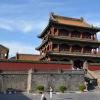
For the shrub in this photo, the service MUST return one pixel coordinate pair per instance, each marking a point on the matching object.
(82, 87)
(62, 88)
(40, 88)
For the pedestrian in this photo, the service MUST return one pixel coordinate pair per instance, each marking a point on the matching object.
(43, 97)
(86, 86)
(51, 90)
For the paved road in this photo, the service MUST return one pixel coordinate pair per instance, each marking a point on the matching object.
(67, 96)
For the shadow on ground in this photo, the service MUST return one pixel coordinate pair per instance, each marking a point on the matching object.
(14, 97)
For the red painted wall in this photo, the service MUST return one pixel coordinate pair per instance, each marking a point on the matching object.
(39, 66)
(94, 68)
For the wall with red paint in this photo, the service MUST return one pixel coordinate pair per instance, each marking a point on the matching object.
(94, 67)
(37, 66)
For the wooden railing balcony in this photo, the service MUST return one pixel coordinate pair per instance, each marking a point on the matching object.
(68, 53)
(74, 38)
(65, 53)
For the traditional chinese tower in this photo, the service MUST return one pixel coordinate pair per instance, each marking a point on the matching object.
(69, 39)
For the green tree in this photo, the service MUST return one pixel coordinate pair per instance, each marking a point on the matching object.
(40, 88)
(62, 88)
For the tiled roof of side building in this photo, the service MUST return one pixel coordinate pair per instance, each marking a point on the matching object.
(32, 57)
(1, 46)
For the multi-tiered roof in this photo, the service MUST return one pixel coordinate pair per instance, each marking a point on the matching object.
(67, 21)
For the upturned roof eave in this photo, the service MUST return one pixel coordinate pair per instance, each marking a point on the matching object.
(97, 29)
(92, 27)
(43, 32)
(53, 18)
(39, 47)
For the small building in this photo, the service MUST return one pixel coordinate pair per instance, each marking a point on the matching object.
(4, 51)
(30, 57)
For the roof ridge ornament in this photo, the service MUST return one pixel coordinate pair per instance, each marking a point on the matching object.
(51, 16)
(81, 18)
(84, 21)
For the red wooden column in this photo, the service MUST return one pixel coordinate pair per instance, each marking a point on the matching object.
(94, 36)
(72, 64)
(58, 47)
(70, 50)
(81, 36)
(52, 31)
(94, 50)
(82, 50)
(51, 46)
(57, 33)
(69, 33)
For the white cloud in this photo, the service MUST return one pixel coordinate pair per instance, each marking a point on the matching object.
(27, 28)
(22, 25)
(6, 27)
(17, 47)
(96, 24)
(46, 3)
(30, 26)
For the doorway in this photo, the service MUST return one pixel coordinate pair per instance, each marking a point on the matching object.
(78, 64)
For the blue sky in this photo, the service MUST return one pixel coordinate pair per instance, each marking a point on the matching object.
(22, 20)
